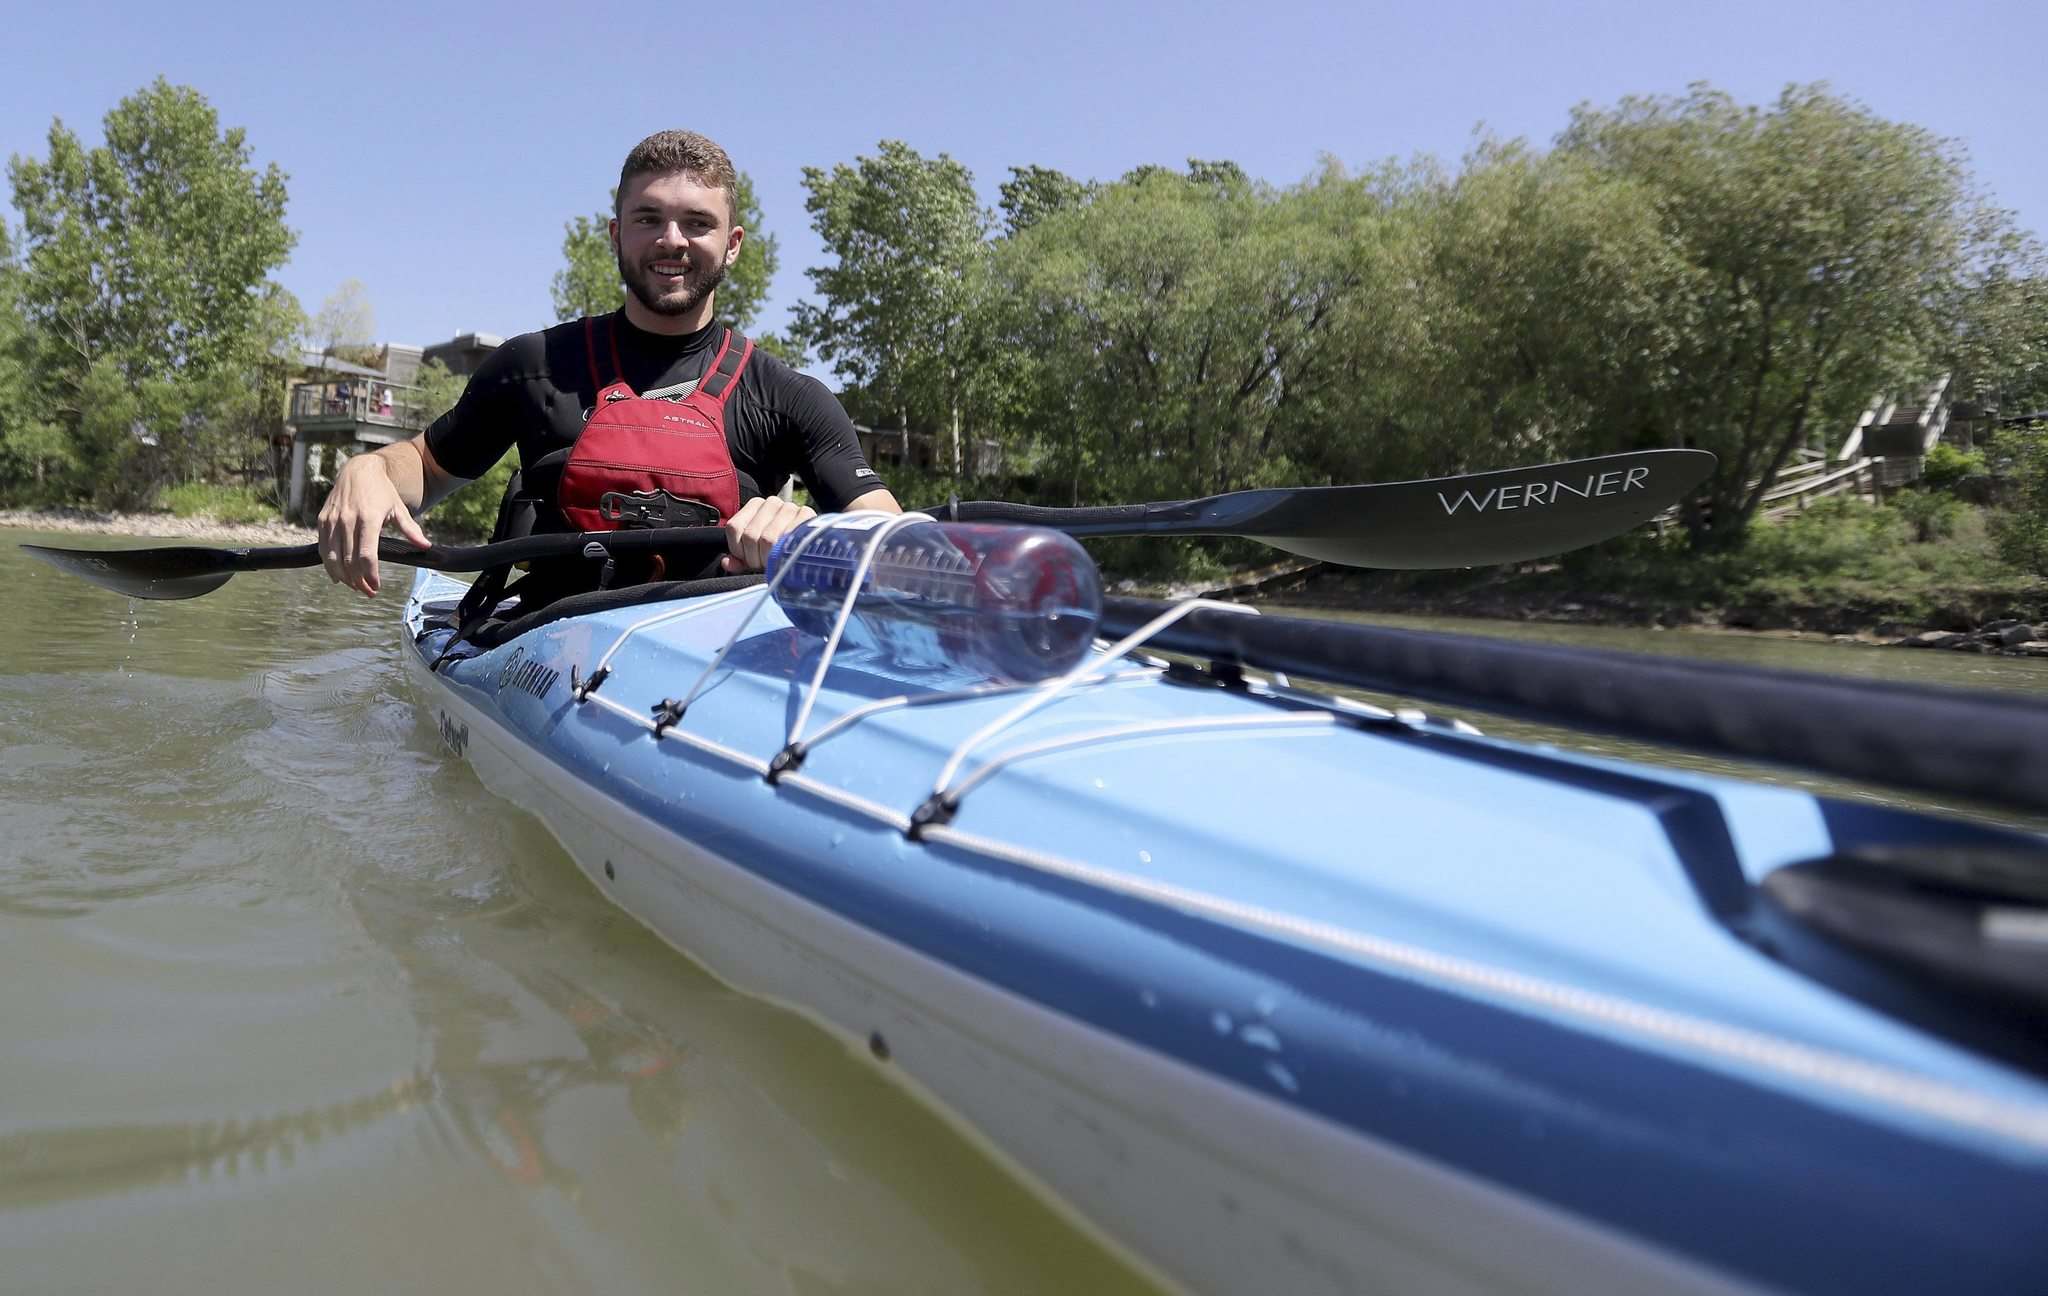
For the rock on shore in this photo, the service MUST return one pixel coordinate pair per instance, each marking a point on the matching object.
(2007, 635)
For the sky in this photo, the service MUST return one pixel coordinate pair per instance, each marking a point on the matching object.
(434, 152)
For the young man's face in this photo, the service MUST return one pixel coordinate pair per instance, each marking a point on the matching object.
(674, 243)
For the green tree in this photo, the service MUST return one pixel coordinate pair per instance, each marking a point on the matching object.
(1034, 192)
(1547, 286)
(1187, 323)
(249, 414)
(2020, 528)
(907, 236)
(1826, 245)
(588, 282)
(31, 446)
(1999, 349)
(143, 281)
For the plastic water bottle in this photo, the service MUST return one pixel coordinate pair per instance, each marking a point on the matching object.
(1012, 603)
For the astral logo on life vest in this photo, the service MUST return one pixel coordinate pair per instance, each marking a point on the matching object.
(1537, 494)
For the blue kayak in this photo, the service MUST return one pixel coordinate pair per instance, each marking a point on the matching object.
(1279, 992)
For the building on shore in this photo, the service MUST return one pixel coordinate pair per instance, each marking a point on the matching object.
(349, 406)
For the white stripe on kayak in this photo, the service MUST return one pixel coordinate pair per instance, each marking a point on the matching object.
(952, 792)
(2026, 1123)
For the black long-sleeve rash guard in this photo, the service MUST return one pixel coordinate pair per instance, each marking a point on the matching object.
(535, 392)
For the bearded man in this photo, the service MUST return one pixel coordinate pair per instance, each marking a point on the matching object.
(675, 231)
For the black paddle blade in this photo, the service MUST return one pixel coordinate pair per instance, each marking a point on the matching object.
(171, 573)
(1480, 519)
(1474, 520)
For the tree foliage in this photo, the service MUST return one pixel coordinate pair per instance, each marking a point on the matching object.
(29, 441)
(1033, 193)
(143, 295)
(1675, 271)
(2021, 530)
(588, 282)
(1542, 288)
(1189, 327)
(906, 233)
(1824, 250)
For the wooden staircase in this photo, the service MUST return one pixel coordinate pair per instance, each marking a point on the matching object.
(1882, 452)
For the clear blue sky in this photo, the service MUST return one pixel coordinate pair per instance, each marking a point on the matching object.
(436, 155)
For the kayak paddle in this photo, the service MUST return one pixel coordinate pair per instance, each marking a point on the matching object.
(1475, 520)
(1467, 521)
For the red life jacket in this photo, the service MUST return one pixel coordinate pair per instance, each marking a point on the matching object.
(642, 462)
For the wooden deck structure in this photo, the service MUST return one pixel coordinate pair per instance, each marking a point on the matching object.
(353, 406)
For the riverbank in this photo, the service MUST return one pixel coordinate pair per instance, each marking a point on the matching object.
(157, 525)
(1548, 592)
(2011, 617)
(1847, 572)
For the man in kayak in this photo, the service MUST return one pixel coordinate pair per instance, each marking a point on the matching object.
(659, 378)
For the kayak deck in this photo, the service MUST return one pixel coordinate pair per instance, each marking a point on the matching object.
(1390, 937)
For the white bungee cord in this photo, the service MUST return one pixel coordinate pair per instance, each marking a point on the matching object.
(1081, 673)
(827, 522)
(853, 587)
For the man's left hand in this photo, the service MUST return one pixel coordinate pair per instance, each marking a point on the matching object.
(753, 531)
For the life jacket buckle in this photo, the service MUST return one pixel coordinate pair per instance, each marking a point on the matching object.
(658, 508)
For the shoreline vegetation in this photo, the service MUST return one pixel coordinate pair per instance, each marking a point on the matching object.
(1846, 571)
(1786, 284)
(1971, 620)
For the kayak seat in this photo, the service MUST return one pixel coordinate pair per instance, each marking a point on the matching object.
(495, 631)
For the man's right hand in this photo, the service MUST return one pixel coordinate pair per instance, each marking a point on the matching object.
(362, 502)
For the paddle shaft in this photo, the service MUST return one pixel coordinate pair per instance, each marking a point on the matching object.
(1983, 746)
(1472, 520)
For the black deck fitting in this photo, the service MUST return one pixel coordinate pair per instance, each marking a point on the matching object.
(583, 688)
(666, 715)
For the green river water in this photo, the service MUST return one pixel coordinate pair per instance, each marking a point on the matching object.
(292, 1004)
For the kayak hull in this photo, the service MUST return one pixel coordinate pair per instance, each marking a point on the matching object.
(1234, 1093)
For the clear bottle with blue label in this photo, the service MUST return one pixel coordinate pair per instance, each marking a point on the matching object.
(1009, 603)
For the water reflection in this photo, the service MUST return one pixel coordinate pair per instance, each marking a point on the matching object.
(298, 976)
(626, 1096)
(49, 1166)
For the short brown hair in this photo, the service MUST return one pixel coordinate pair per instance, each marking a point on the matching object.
(681, 152)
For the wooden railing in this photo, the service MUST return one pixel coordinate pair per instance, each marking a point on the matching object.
(1849, 470)
(355, 400)
(1814, 479)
